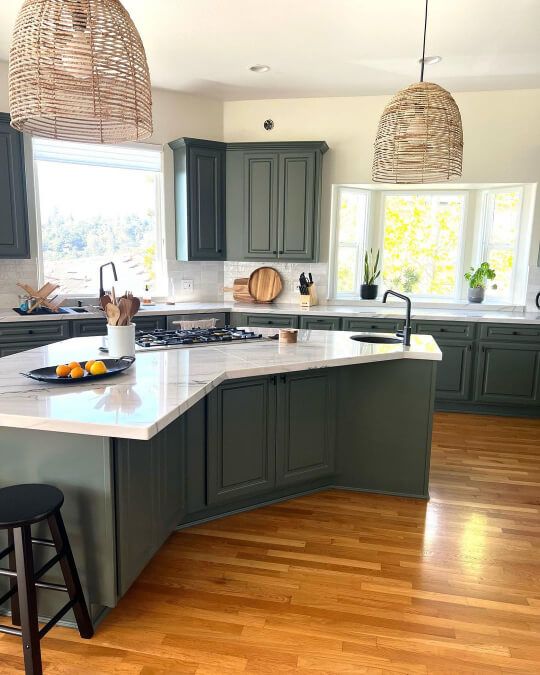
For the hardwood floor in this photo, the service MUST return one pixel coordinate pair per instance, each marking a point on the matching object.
(341, 582)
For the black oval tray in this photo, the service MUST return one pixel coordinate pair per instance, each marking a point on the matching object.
(48, 374)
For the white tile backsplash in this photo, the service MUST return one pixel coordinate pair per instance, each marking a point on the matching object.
(11, 272)
(207, 280)
(289, 273)
(533, 288)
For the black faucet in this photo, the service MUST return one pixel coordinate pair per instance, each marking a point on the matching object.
(407, 327)
(101, 289)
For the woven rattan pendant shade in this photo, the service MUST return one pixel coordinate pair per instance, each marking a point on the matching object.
(78, 72)
(420, 137)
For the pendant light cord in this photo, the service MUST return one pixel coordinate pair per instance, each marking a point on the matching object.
(424, 45)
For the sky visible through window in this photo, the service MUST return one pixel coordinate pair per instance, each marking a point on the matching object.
(92, 214)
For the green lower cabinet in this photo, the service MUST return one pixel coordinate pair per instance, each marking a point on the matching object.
(149, 322)
(265, 320)
(306, 426)
(320, 322)
(373, 325)
(241, 439)
(454, 371)
(508, 373)
(88, 327)
(150, 497)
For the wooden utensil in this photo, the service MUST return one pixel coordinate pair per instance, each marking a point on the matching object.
(124, 305)
(135, 305)
(104, 301)
(113, 314)
(265, 284)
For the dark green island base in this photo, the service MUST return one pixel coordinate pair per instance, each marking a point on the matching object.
(250, 442)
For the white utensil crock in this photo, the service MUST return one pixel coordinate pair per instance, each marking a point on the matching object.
(121, 340)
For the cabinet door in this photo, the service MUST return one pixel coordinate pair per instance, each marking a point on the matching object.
(508, 373)
(306, 426)
(206, 169)
(320, 322)
(454, 371)
(261, 205)
(143, 322)
(296, 206)
(241, 439)
(270, 320)
(14, 240)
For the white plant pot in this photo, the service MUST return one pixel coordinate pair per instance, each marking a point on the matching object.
(476, 294)
(121, 340)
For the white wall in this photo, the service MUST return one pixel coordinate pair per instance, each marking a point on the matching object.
(174, 115)
(501, 140)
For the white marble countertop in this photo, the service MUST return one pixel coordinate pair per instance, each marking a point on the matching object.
(481, 313)
(162, 385)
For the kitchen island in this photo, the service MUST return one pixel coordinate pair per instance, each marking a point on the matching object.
(196, 433)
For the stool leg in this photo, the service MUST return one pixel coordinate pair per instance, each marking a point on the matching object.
(15, 612)
(71, 576)
(27, 600)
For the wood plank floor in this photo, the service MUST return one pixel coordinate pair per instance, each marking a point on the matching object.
(340, 582)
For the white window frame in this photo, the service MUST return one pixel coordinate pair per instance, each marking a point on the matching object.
(462, 236)
(472, 235)
(335, 243)
(488, 194)
(161, 260)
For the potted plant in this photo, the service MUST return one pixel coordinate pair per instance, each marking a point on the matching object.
(368, 290)
(478, 279)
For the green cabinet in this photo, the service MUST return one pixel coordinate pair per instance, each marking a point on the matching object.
(372, 325)
(320, 322)
(508, 373)
(199, 181)
(273, 200)
(174, 319)
(265, 320)
(454, 371)
(88, 327)
(241, 439)
(14, 238)
(22, 335)
(143, 322)
(306, 431)
(150, 497)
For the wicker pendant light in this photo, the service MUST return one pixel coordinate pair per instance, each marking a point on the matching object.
(420, 137)
(78, 72)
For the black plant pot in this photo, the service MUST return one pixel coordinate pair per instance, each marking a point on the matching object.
(368, 291)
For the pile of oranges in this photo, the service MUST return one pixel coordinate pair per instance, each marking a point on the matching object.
(76, 371)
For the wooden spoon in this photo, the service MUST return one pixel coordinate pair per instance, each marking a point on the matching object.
(124, 305)
(104, 301)
(135, 305)
(113, 314)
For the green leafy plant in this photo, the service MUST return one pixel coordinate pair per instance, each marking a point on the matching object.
(371, 268)
(479, 277)
(407, 280)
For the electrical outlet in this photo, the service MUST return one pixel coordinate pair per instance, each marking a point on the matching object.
(187, 285)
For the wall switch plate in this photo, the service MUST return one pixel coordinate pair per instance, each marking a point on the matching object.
(187, 285)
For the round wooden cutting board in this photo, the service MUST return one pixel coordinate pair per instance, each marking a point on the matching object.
(265, 284)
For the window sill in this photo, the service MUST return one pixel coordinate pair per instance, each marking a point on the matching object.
(430, 304)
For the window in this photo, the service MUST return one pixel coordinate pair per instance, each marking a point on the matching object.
(352, 212)
(429, 237)
(95, 204)
(501, 219)
(422, 243)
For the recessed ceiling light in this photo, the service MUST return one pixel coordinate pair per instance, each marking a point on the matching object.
(259, 68)
(430, 60)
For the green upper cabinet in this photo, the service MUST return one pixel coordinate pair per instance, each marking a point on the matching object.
(273, 200)
(14, 239)
(199, 188)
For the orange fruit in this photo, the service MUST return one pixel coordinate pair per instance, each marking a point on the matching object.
(88, 365)
(74, 364)
(63, 370)
(98, 368)
(77, 372)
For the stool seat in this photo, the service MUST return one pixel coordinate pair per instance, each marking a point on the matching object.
(27, 504)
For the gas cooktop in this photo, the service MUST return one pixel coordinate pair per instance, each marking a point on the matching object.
(161, 338)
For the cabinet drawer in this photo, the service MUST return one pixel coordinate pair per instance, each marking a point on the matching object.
(149, 322)
(373, 325)
(512, 332)
(455, 329)
(271, 320)
(89, 327)
(320, 322)
(221, 319)
(41, 331)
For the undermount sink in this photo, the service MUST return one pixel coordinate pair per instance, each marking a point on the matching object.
(377, 339)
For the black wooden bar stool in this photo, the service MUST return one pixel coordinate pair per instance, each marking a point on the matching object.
(20, 507)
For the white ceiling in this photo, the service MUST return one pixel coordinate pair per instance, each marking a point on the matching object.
(329, 47)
